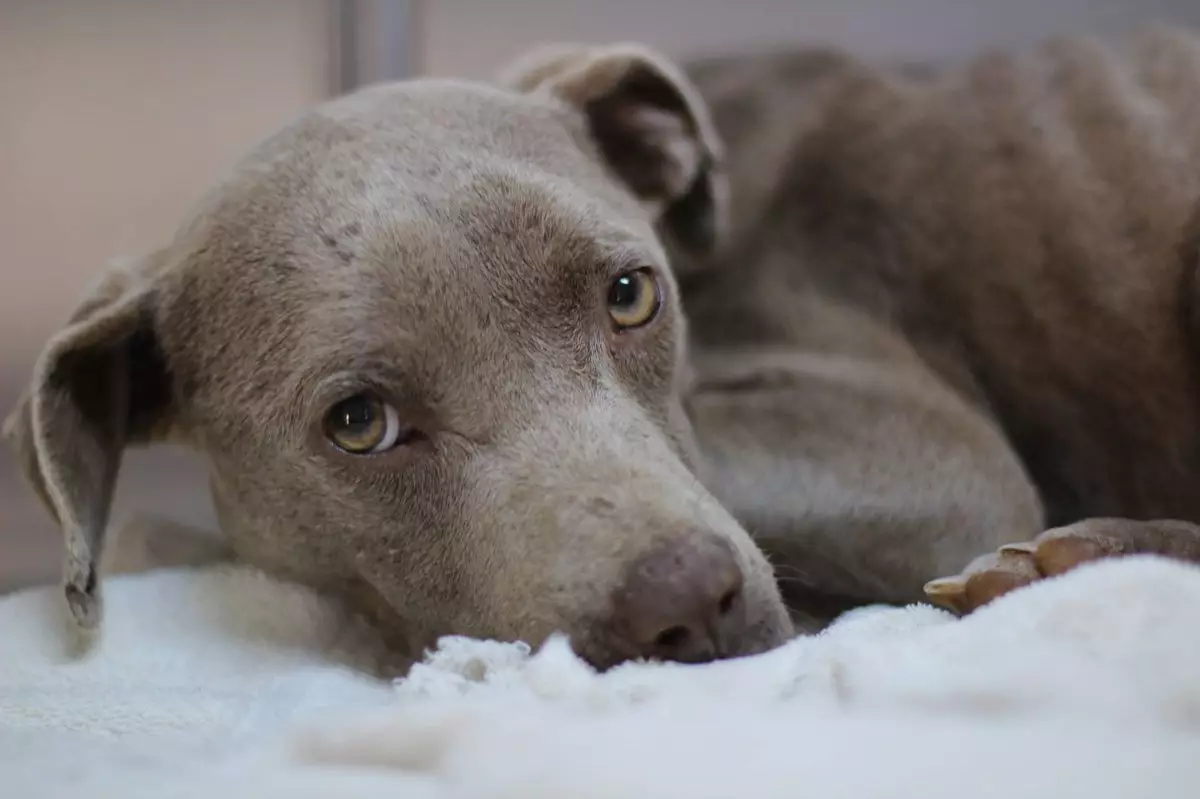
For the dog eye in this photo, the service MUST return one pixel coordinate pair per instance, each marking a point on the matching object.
(364, 424)
(634, 299)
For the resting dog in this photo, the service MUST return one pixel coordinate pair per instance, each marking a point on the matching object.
(504, 361)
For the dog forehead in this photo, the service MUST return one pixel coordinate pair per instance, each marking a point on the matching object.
(402, 222)
(433, 159)
(412, 215)
(420, 139)
(505, 262)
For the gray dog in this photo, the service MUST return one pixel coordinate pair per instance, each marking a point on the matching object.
(508, 360)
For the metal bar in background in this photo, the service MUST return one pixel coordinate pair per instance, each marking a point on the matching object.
(374, 41)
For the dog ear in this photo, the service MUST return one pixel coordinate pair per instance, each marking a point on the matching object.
(100, 384)
(651, 126)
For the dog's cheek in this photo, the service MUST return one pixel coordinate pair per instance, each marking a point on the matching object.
(411, 533)
(649, 366)
(658, 376)
(683, 436)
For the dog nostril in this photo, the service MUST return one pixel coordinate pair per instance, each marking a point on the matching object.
(727, 601)
(673, 637)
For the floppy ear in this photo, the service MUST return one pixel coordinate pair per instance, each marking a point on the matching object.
(651, 126)
(100, 384)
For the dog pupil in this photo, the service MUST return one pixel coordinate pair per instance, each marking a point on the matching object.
(357, 414)
(624, 292)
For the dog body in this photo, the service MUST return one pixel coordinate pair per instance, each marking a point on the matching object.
(920, 258)
(505, 361)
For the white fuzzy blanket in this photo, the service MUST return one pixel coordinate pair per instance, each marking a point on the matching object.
(223, 683)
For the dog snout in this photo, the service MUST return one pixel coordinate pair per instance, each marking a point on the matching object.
(682, 602)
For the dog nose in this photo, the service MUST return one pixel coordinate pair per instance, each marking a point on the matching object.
(682, 602)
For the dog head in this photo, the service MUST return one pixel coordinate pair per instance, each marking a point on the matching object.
(428, 338)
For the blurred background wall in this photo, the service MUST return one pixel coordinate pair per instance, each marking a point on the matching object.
(116, 114)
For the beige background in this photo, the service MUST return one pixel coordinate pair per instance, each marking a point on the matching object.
(115, 115)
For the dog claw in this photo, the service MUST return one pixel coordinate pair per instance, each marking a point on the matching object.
(946, 592)
(1020, 548)
(946, 586)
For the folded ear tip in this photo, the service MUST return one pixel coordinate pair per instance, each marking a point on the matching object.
(83, 599)
(85, 609)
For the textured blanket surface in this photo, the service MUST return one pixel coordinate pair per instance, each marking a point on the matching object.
(222, 682)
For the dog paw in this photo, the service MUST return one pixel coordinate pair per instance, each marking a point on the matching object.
(1057, 551)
